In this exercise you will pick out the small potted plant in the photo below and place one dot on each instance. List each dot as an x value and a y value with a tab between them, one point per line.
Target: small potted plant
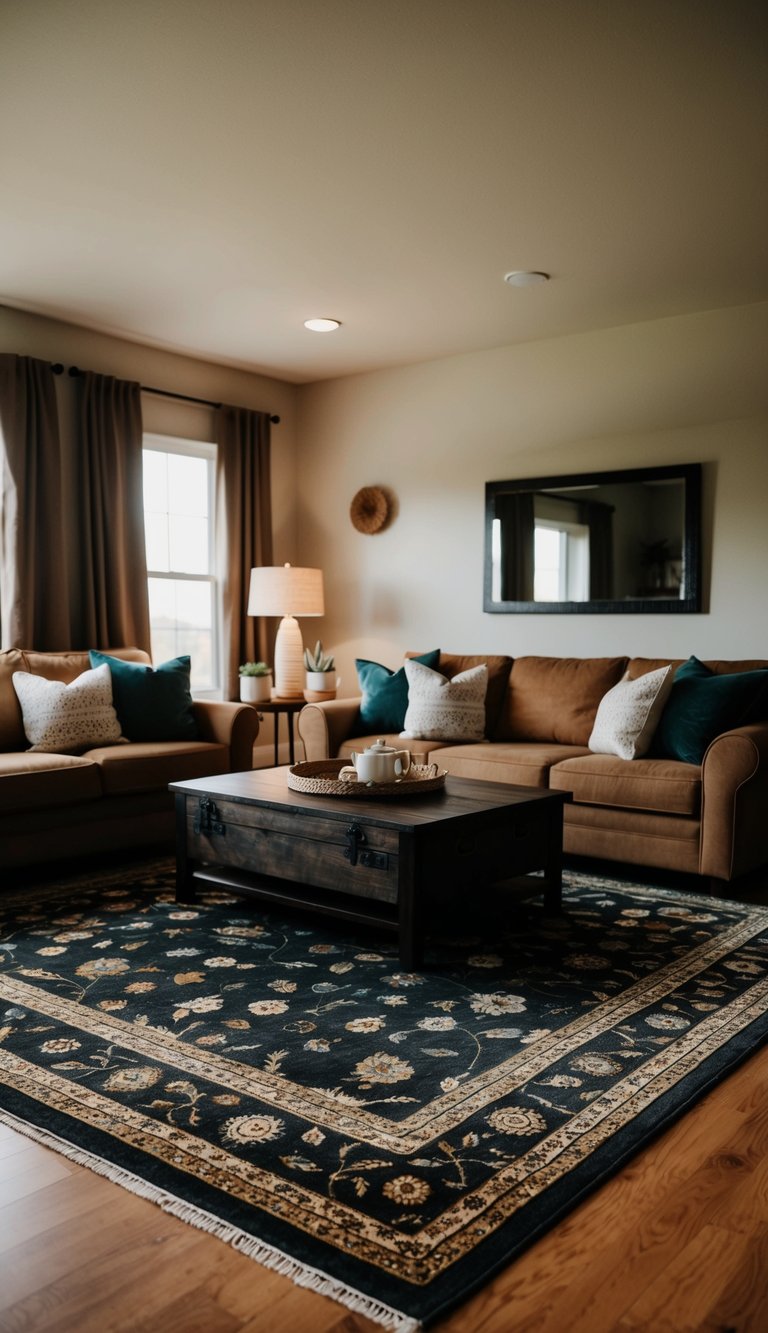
255	682
321	679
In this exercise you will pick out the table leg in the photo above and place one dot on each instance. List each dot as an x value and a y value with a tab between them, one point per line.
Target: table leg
291	751
276	716
185	887
553	866
409	923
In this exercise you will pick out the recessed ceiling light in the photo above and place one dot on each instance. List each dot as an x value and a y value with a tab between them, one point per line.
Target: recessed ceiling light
322	325
520	278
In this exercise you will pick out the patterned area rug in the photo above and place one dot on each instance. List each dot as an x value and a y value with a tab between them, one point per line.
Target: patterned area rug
390	1139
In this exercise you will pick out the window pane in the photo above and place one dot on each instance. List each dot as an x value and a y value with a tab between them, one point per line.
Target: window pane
156	534
181	621
193	604
162	602
547	560
188	485
188	538
546	586
155	480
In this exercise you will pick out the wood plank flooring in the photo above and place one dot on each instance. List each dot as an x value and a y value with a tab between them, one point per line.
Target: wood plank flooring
677	1242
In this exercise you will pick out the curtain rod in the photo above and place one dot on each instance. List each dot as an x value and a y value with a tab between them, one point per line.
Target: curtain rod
75	371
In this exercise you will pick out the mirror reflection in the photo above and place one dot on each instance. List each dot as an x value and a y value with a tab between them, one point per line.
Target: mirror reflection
601	541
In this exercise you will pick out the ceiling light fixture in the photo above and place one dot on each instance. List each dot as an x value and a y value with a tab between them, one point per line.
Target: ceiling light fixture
322	325
521	278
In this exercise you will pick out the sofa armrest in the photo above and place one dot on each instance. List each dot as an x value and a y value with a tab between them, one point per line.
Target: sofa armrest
323	727
232	724
734	803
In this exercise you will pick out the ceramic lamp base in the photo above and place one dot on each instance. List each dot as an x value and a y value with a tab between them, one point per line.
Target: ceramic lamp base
289	659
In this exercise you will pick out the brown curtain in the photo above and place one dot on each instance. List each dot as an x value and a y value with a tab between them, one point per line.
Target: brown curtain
243	532
515	513
599	519
34	605
112	608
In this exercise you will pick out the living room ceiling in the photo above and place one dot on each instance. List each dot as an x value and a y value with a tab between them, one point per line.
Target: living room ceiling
204	177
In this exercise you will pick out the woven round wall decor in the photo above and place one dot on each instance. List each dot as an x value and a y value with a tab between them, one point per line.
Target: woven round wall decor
369	509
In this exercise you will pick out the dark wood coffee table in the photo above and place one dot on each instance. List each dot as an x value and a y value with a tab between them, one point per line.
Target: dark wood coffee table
364	860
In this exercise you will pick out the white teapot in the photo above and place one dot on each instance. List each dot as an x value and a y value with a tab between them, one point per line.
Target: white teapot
379	763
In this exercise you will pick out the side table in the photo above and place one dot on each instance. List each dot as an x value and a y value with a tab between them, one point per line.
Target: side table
290	707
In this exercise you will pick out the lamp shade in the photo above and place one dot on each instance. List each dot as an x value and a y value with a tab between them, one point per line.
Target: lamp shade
286	590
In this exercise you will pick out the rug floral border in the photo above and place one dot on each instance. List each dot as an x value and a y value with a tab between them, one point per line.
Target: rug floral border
418	1265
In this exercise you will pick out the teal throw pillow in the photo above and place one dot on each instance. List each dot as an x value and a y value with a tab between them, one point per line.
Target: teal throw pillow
152	703
385	693
702	705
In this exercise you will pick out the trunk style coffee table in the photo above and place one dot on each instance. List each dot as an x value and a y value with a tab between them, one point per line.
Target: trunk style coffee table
372	861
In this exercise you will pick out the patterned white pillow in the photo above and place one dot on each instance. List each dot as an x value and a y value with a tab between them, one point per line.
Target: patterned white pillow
62	719
445	710
628	715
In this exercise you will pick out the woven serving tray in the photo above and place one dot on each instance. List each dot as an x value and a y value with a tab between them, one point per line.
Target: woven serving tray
320	778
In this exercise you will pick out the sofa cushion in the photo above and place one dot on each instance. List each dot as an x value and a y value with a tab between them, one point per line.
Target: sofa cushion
628	715
65	719
703	704
499	667
525	763
638	665
39	781
153	703
637	837
385	693
556	698
443	709
147	765
53	666
663	785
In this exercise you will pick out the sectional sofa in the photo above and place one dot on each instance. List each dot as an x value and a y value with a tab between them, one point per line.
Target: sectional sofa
708	818
108	797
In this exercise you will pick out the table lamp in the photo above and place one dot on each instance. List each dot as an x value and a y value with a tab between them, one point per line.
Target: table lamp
287	591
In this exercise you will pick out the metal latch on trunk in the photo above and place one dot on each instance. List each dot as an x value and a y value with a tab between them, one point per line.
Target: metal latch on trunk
208	820
353	853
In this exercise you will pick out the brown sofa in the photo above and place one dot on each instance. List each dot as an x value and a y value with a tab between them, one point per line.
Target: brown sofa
114	797
708	819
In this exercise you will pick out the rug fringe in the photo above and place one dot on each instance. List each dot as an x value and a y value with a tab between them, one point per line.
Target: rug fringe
267	1255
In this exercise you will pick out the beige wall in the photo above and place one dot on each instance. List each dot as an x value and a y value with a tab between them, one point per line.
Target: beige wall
33	335
689	389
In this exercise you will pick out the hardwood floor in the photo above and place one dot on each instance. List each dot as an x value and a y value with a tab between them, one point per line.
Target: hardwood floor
676	1242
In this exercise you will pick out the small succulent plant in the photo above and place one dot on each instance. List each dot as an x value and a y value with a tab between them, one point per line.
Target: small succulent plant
318	660
254	669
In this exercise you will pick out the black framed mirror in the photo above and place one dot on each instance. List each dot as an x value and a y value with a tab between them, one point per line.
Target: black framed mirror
627	541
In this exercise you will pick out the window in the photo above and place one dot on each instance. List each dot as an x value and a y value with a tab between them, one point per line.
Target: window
561	561
179	478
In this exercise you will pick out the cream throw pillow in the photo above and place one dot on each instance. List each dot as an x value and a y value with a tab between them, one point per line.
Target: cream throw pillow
62	719
628	715
445	710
